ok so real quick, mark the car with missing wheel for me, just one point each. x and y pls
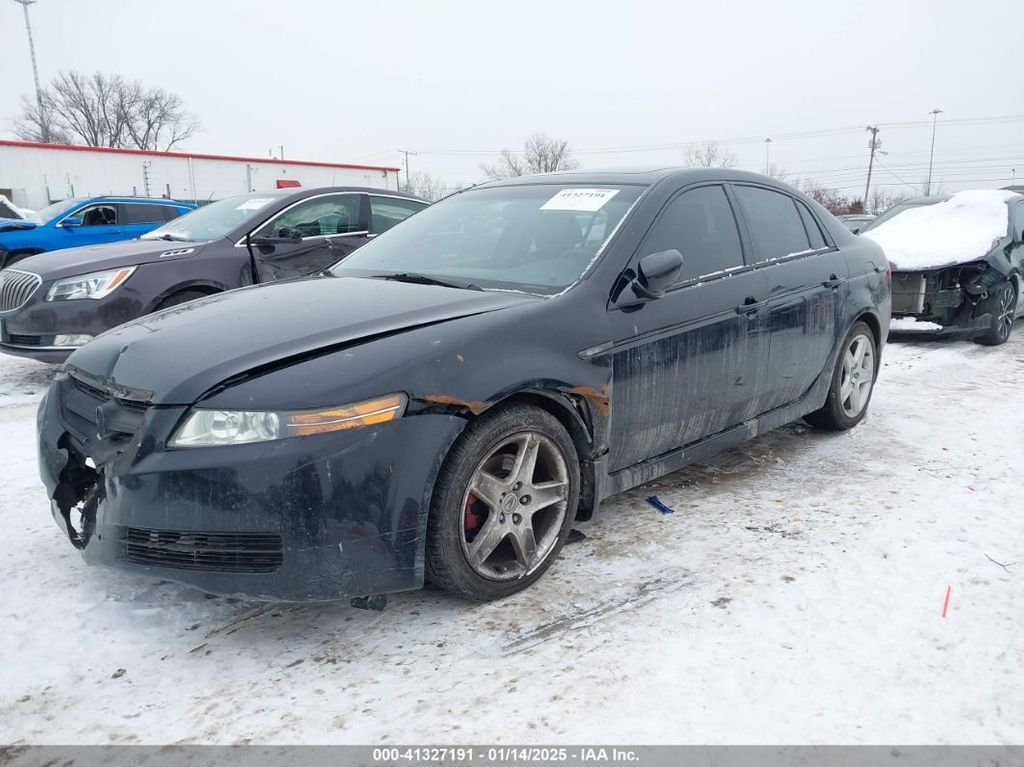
(958, 263)
(52, 303)
(447, 401)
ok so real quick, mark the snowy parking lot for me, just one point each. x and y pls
(795, 595)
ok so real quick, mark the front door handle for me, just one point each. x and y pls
(832, 282)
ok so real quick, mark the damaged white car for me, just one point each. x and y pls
(957, 263)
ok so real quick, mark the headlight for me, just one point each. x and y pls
(206, 428)
(95, 285)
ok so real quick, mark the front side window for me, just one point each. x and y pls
(535, 238)
(320, 216)
(385, 212)
(699, 224)
(775, 224)
(98, 215)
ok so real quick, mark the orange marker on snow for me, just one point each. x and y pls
(945, 606)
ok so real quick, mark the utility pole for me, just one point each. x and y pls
(281, 148)
(874, 144)
(44, 128)
(767, 155)
(406, 152)
(931, 155)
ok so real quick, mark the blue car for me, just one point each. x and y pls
(84, 221)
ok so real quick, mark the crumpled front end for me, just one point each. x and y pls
(320, 517)
(947, 298)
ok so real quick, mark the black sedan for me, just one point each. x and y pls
(450, 398)
(52, 303)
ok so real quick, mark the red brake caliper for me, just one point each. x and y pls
(472, 517)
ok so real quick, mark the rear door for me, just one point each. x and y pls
(805, 275)
(310, 235)
(688, 364)
(137, 218)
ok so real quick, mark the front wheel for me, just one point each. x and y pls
(1001, 303)
(852, 382)
(503, 505)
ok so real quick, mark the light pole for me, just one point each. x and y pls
(767, 156)
(874, 144)
(44, 128)
(931, 155)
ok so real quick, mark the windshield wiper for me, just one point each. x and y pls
(166, 236)
(425, 279)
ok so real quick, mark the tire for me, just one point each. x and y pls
(487, 500)
(182, 297)
(853, 382)
(1001, 303)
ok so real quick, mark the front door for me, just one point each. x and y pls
(689, 364)
(805, 276)
(310, 235)
(98, 223)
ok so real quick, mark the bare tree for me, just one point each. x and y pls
(540, 154)
(107, 110)
(828, 197)
(774, 171)
(882, 199)
(429, 187)
(710, 154)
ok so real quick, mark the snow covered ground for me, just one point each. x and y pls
(794, 596)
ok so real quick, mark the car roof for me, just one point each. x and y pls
(644, 176)
(108, 198)
(312, 191)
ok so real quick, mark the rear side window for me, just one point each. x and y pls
(699, 224)
(385, 212)
(775, 223)
(169, 213)
(140, 213)
(811, 225)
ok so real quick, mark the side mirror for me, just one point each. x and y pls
(656, 273)
(71, 222)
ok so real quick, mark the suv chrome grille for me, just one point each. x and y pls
(16, 287)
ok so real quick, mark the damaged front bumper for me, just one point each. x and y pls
(321, 517)
(944, 300)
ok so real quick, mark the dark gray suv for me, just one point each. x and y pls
(53, 303)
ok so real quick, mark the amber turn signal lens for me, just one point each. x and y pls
(367, 413)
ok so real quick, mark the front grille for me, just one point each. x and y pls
(16, 288)
(218, 552)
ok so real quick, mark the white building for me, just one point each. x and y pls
(34, 175)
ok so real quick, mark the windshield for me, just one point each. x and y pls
(213, 220)
(895, 210)
(538, 239)
(51, 212)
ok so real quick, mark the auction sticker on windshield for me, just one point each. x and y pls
(254, 204)
(585, 200)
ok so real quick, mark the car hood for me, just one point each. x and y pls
(175, 356)
(69, 262)
(12, 224)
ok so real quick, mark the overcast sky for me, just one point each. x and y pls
(458, 81)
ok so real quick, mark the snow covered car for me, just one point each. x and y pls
(448, 398)
(856, 221)
(957, 263)
(52, 303)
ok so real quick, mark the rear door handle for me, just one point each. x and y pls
(832, 282)
(750, 307)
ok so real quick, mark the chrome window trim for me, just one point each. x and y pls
(264, 222)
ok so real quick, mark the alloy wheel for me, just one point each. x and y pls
(858, 375)
(1005, 309)
(514, 507)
